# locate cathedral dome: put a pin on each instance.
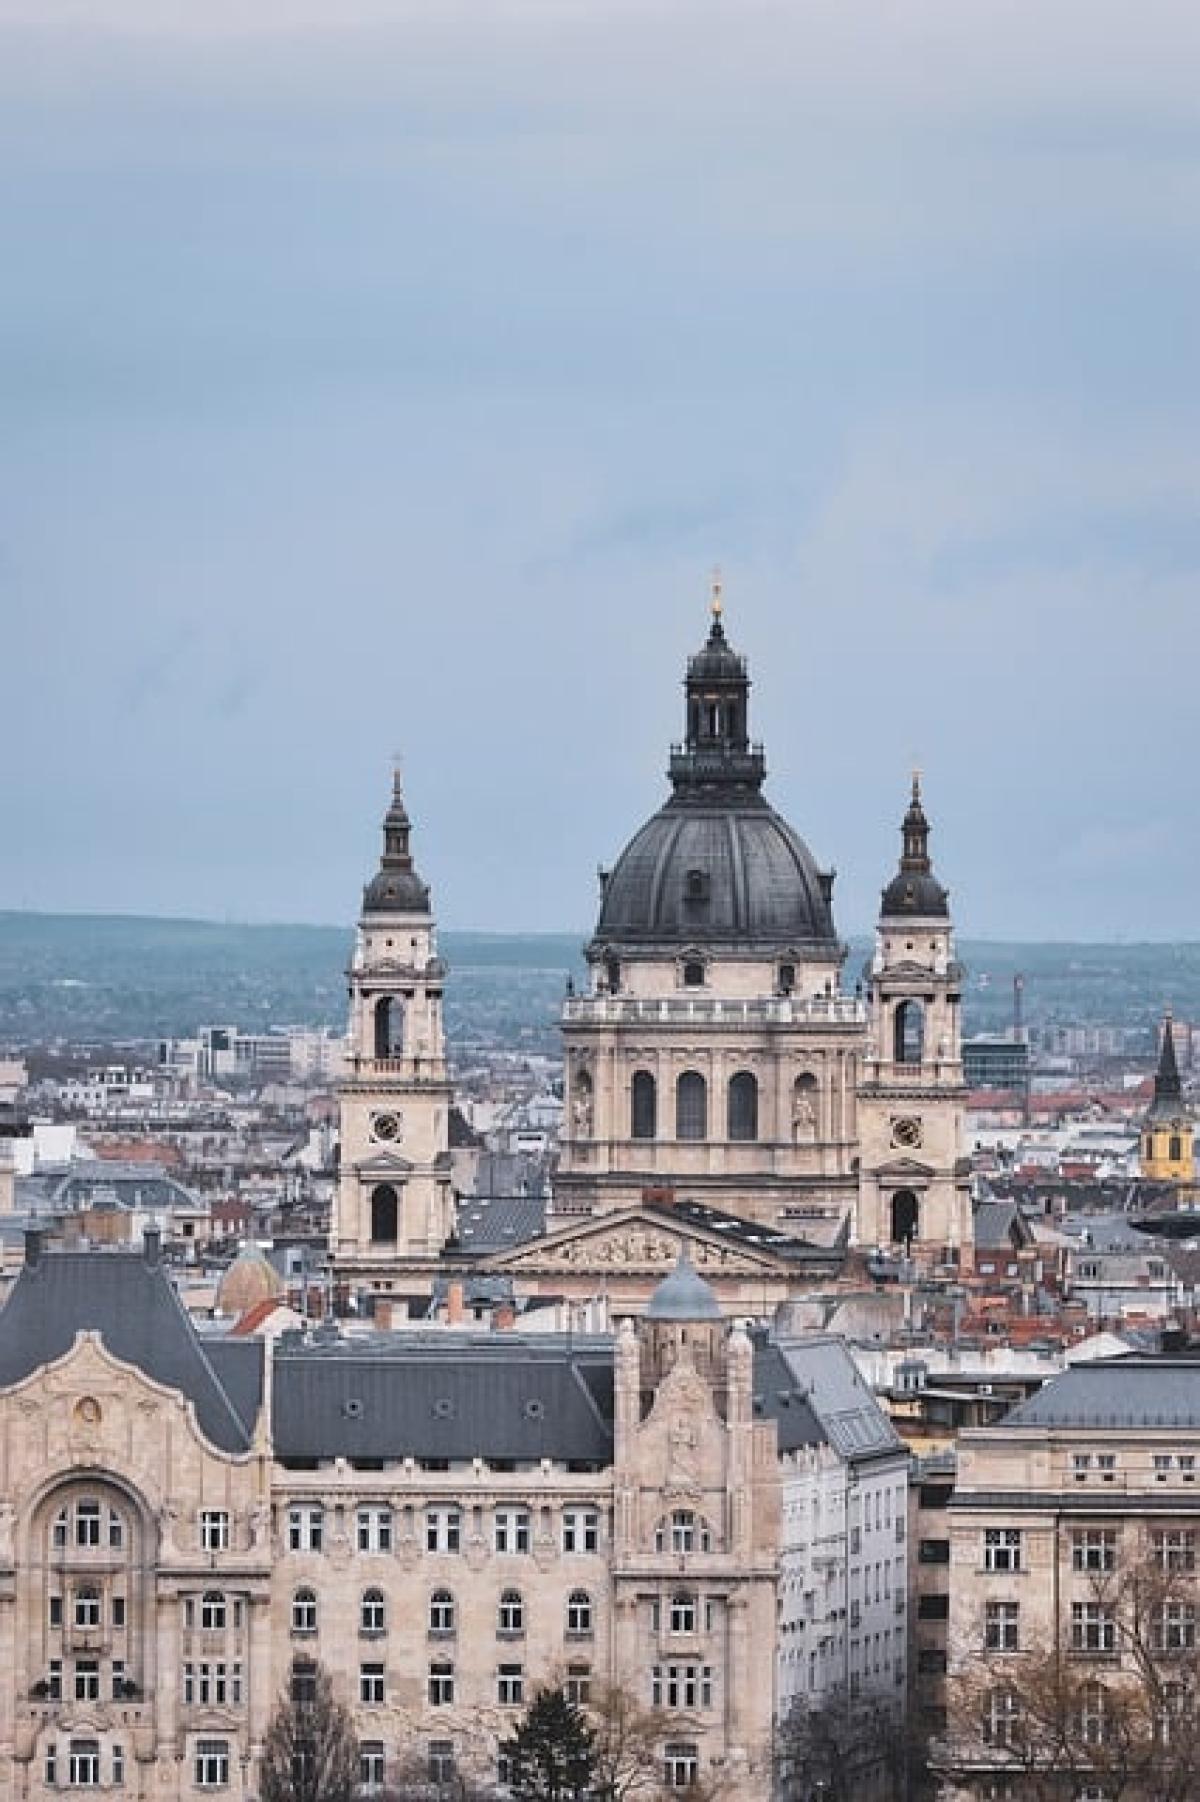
(717, 864)
(726, 869)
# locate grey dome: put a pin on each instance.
(717, 870)
(396, 891)
(684, 1295)
(915, 892)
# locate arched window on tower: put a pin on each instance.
(385, 1215)
(691, 1106)
(909, 1033)
(1175, 1149)
(905, 1218)
(743, 1106)
(389, 1026)
(644, 1106)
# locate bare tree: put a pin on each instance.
(838, 1750)
(1114, 1704)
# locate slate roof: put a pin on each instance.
(495, 1223)
(841, 1401)
(130, 1301)
(429, 1396)
(1129, 1392)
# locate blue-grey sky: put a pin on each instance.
(388, 377)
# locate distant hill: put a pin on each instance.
(110, 977)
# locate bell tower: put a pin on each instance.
(1167, 1147)
(394, 1204)
(914, 1194)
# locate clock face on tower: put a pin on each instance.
(906, 1132)
(386, 1127)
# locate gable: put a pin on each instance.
(637, 1243)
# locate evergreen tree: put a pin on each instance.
(552, 1754)
(311, 1752)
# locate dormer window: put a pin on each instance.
(787, 979)
(696, 885)
(693, 973)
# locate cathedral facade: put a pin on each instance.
(724, 1087)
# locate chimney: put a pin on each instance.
(152, 1246)
(455, 1306)
(34, 1241)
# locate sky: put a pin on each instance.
(386, 378)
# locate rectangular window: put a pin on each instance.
(1001, 1631)
(306, 1528)
(118, 1765)
(681, 1686)
(374, 1529)
(578, 1685)
(50, 1765)
(87, 1523)
(118, 1611)
(87, 1680)
(212, 1764)
(56, 1614)
(1002, 1549)
(87, 1606)
(214, 1530)
(1081, 1464)
(440, 1761)
(118, 1679)
(1094, 1549)
(441, 1685)
(370, 1685)
(443, 1529)
(54, 1681)
(681, 1765)
(510, 1686)
(1175, 1549)
(1174, 1628)
(933, 1551)
(83, 1764)
(581, 1530)
(512, 1530)
(371, 1768)
(1093, 1629)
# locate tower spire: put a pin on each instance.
(1168, 1090)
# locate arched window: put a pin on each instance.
(385, 1215)
(212, 1611)
(510, 1617)
(644, 1120)
(906, 1214)
(743, 1106)
(304, 1612)
(909, 1032)
(1175, 1148)
(691, 1106)
(389, 1026)
(579, 1612)
(806, 1097)
(441, 1613)
(372, 1613)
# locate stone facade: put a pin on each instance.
(156, 1585)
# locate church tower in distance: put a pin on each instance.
(394, 1204)
(914, 1187)
(1167, 1151)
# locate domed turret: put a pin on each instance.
(396, 888)
(914, 890)
(717, 864)
(684, 1295)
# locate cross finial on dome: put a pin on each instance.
(716, 591)
(916, 792)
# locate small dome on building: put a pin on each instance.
(684, 1295)
(249, 1280)
(914, 891)
(396, 888)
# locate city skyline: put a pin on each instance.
(397, 383)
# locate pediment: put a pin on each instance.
(904, 1170)
(638, 1242)
(382, 1164)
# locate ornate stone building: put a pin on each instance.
(394, 1206)
(716, 1055)
(445, 1520)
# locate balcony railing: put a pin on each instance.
(713, 1010)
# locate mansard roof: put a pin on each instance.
(1125, 1392)
(430, 1395)
(131, 1303)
